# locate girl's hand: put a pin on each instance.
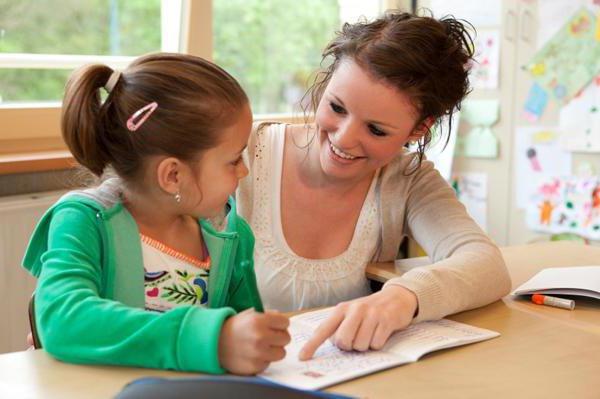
(249, 341)
(365, 323)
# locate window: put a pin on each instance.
(274, 51)
(41, 41)
(271, 46)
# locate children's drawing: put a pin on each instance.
(471, 190)
(538, 155)
(535, 103)
(570, 59)
(484, 71)
(580, 119)
(566, 205)
(535, 163)
(559, 12)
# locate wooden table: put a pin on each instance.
(543, 352)
(523, 262)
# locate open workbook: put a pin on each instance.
(331, 365)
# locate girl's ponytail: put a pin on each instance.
(195, 101)
(81, 114)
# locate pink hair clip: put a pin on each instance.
(144, 112)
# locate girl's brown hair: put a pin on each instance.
(196, 99)
(421, 56)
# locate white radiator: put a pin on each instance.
(18, 217)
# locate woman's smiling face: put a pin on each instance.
(363, 123)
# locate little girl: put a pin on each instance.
(132, 272)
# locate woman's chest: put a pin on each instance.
(318, 226)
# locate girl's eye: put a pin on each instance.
(376, 131)
(336, 108)
(237, 161)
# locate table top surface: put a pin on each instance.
(523, 262)
(542, 351)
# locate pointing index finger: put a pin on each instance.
(324, 331)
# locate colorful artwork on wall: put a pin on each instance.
(471, 190)
(581, 118)
(567, 205)
(484, 71)
(570, 59)
(538, 155)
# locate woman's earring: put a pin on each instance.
(177, 197)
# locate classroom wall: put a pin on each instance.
(541, 16)
(521, 28)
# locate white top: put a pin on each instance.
(466, 268)
(171, 278)
(286, 280)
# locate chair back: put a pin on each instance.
(36, 339)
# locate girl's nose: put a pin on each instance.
(242, 170)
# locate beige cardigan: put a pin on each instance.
(466, 271)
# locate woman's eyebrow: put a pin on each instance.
(337, 99)
(383, 124)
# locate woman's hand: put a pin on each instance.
(249, 341)
(365, 323)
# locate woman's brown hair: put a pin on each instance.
(196, 99)
(421, 56)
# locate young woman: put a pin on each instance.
(324, 199)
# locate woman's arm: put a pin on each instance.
(467, 269)
(467, 272)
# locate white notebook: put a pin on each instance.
(581, 280)
(331, 365)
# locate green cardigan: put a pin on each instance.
(89, 302)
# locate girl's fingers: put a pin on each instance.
(273, 353)
(279, 338)
(277, 320)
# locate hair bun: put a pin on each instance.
(458, 31)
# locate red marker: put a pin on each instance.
(540, 299)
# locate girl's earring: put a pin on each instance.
(177, 197)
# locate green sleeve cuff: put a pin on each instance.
(198, 343)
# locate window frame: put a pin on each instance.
(34, 128)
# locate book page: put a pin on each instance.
(428, 336)
(331, 365)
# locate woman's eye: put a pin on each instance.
(336, 108)
(376, 131)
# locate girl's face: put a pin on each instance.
(362, 123)
(220, 169)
